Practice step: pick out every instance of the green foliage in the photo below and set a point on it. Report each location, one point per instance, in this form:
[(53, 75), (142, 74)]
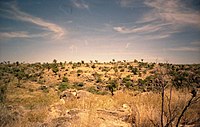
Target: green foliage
[(55, 61), (44, 89), (115, 69), (93, 90), (141, 82), (106, 69), (78, 85), (134, 70), (54, 68), (79, 71), (33, 78), (113, 83), (127, 82), (112, 86), (65, 79), (3, 90), (130, 67), (93, 66), (63, 86), (41, 81)]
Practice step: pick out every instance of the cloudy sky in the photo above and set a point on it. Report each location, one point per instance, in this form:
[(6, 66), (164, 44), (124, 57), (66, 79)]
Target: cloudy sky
[(74, 30)]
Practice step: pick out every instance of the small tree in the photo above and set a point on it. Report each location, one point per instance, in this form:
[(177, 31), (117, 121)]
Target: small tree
[(54, 61), (20, 74), (93, 66)]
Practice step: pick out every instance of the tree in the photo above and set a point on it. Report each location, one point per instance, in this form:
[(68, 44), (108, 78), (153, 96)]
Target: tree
[(82, 62), (55, 61), (20, 74), (55, 68), (93, 66), (113, 60), (134, 70), (135, 61)]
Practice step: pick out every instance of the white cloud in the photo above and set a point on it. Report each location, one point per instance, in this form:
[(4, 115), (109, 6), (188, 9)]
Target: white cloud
[(191, 49), (163, 20), (19, 34), (17, 14), (171, 11), (80, 4), (143, 29)]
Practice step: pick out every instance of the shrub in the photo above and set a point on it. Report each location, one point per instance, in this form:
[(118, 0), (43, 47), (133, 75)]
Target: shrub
[(78, 85), (55, 68), (63, 86), (99, 80), (79, 71), (93, 66), (41, 81), (44, 89), (122, 70), (134, 71), (65, 79), (93, 90), (128, 84)]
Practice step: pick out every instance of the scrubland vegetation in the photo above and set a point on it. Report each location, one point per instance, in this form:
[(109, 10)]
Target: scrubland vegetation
[(113, 94)]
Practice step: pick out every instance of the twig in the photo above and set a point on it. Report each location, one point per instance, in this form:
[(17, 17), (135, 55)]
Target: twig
[(185, 108)]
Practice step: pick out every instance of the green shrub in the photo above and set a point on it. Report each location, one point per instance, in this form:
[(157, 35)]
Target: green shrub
[(134, 70), (63, 86), (65, 79), (79, 71), (93, 90), (55, 68), (44, 89), (78, 85), (128, 84)]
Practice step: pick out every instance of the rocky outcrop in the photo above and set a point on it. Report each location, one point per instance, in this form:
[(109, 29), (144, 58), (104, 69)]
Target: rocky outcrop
[(122, 117)]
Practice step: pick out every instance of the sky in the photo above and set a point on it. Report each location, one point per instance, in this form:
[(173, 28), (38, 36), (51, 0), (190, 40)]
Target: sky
[(74, 30)]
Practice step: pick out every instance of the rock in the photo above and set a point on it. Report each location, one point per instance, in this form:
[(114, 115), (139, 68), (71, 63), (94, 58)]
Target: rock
[(126, 106), (83, 94), (69, 94)]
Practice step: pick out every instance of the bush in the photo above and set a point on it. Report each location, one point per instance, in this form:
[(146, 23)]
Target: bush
[(79, 71), (78, 85), (122, 70), (128, 84), (55, 68), (93, 90), (44, 89), (63, 86), (99, 80), (134, 71), (65, 79)]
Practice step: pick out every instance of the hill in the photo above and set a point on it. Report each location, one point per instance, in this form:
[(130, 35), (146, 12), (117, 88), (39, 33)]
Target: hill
[(99, 94)]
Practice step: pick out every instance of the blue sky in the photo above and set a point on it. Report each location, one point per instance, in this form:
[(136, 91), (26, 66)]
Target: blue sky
[(74, 30)]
